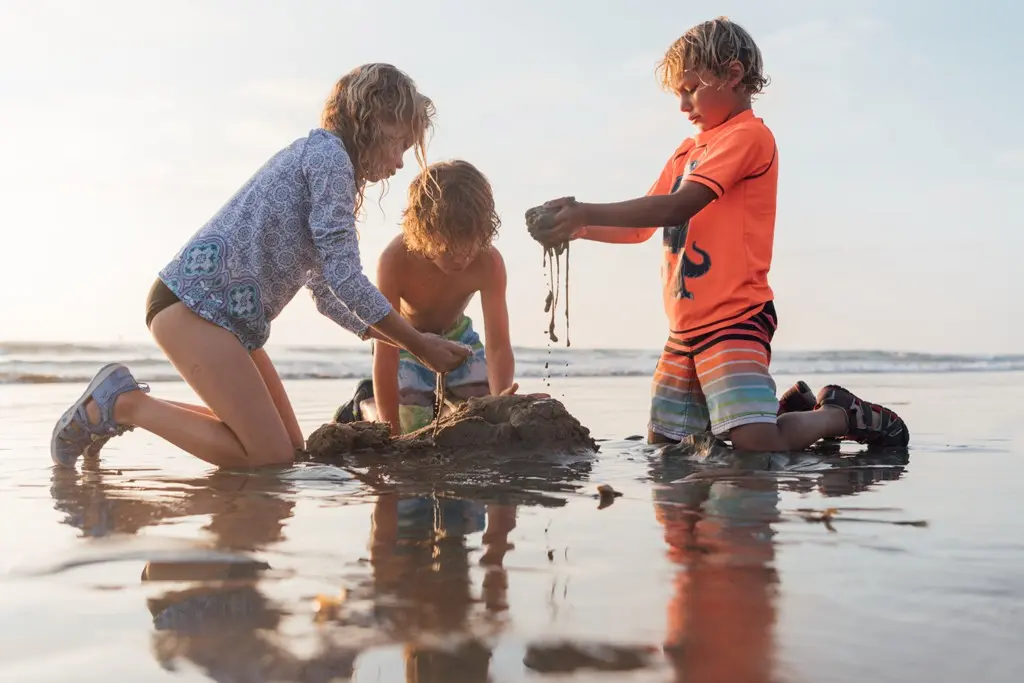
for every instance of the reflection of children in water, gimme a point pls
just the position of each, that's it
(722, 614)
(247, 511)
(847, 481)
(219, 620)
(421, 571)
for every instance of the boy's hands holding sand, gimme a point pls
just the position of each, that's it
(557, 221)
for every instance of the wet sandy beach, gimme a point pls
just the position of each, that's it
(150, 566)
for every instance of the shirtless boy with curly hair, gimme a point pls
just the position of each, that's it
(430, 273)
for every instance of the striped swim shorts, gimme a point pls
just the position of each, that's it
(716, 381)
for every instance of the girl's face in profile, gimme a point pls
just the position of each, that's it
(385, 159)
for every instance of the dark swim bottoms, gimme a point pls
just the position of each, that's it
(160, 297)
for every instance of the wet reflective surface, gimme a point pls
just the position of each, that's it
(149, 566)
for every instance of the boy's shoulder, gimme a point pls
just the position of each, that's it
(755, 125)
(395, 252)
(750, 130)
(738, 141)
(485, 270)
(490, 268)
(493, 252)
(394, 260)
(491, 259)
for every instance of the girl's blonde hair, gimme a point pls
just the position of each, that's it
(367, 97)
(711, 46)
(451, 210)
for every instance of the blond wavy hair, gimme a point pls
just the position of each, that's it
(368, 97)
(450, 210)
(710, 47)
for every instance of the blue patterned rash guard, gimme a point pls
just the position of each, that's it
(291, 224)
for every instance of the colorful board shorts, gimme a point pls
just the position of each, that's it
(416, 382)
(716, 381)
(423, 518)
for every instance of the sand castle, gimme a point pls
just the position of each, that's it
(491, 424)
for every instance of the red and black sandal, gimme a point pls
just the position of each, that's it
(797, 399)
(868, 423)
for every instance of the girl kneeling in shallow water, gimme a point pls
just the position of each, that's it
(291, 225)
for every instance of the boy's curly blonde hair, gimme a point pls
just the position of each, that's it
(365, 98)
(450, 211)
(710, 47)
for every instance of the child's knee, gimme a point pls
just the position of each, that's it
(264, 456)
(654, 438)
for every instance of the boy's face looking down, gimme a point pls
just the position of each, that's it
(715, 69)
(709, 101)
(450, 218)
(450, 263)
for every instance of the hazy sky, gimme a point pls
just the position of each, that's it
(125, 125)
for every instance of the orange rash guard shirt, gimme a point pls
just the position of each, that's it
(715, 268)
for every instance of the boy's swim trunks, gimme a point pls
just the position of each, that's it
(416, 382)
(716, 381)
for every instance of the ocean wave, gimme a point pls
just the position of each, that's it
(48, 363)
(31, 378)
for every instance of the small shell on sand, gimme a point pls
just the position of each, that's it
(328, 607)
(607, 495)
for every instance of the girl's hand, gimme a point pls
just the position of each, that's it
(440, 354)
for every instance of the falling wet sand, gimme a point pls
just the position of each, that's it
(553, 262)
(439, 391)
(538, 219)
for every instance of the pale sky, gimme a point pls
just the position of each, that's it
(125, 125)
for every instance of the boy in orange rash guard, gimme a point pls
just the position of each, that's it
(716, 199)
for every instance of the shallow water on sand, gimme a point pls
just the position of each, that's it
(151, 566)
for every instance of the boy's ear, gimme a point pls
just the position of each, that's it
(734, 74)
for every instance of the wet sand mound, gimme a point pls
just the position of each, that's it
(489, 424)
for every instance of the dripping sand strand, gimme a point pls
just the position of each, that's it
(439, 392)
(553, 262)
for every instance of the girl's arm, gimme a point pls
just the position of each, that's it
(385, 358)
(332, 190)
(332, 193)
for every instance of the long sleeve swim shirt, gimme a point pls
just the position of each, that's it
(291, 225)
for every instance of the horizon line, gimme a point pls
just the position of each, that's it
(558, 346)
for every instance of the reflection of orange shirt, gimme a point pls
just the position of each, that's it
(715, 271)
